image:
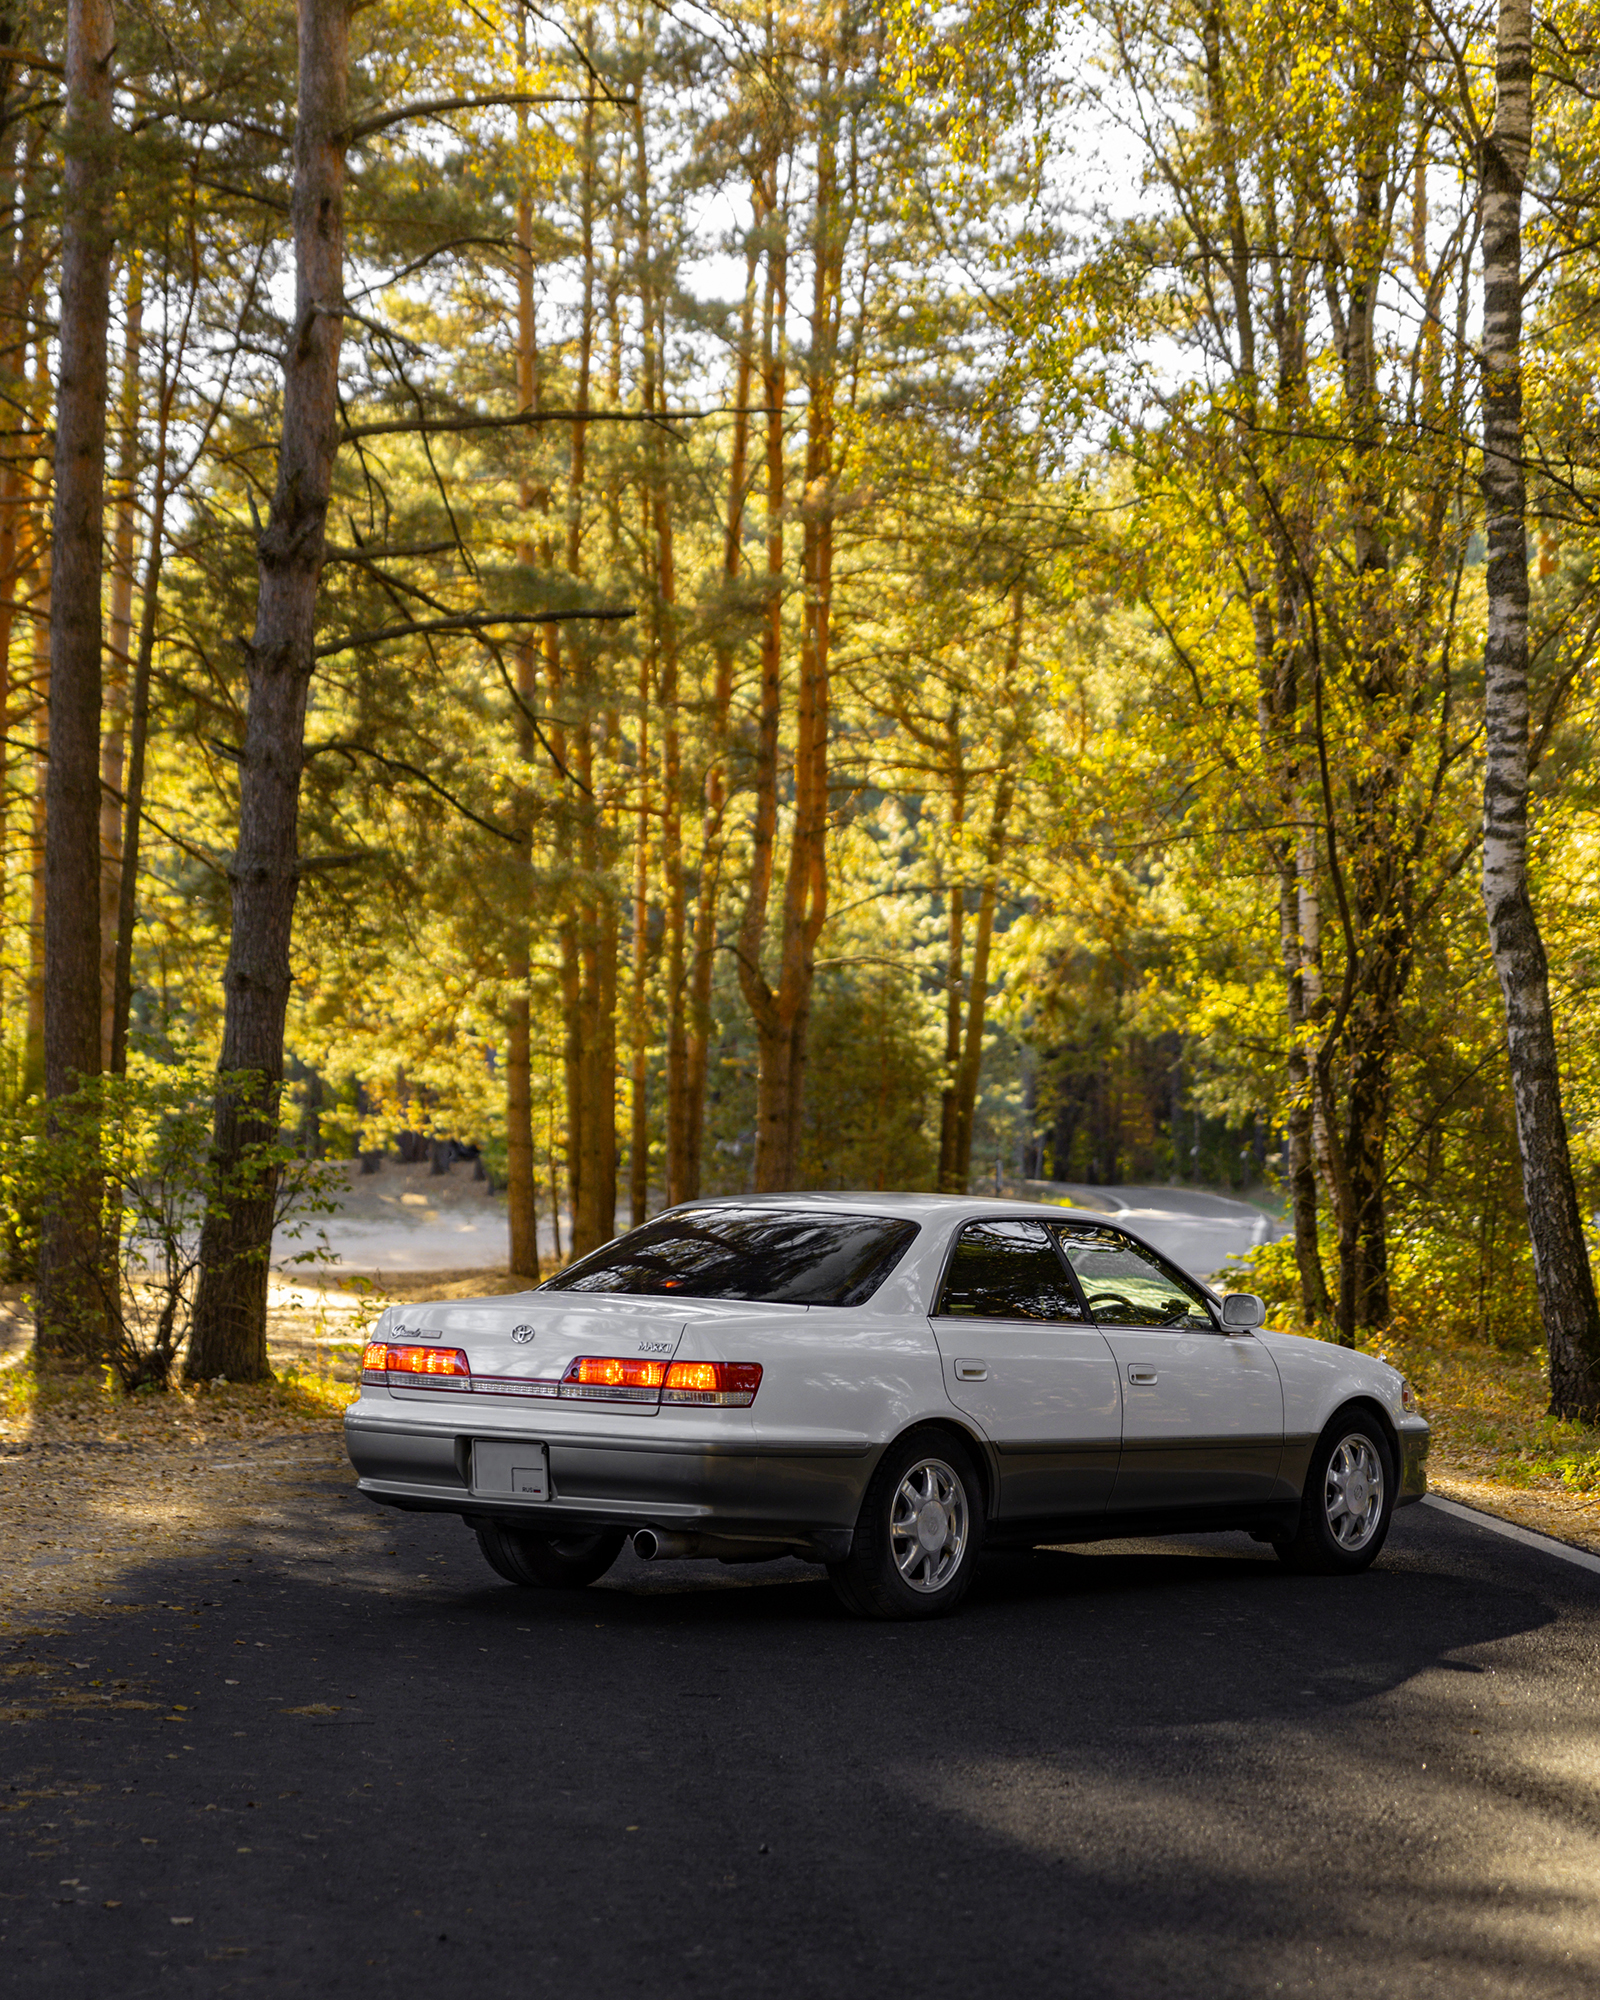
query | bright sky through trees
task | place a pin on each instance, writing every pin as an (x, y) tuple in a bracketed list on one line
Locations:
[(1046, 735)]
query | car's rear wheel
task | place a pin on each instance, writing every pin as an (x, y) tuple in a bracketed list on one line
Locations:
[(918, 1534), (1348, 1500), (547, 1562)]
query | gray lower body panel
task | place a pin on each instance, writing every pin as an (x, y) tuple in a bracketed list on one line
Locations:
[(1164, 1474), (1044, 1478), (766, 1493)]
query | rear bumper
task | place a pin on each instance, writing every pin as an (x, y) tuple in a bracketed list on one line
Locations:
[(804, 1497), (1413, 1463)]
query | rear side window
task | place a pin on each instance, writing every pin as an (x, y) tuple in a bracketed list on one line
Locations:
[(771, 1257), (1007, 1270)]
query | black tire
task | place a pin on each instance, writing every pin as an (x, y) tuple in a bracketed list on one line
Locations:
[(547, 1562), (894, 1568), (1332, 1538)]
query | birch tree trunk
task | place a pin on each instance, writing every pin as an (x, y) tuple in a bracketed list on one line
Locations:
[(954, 886), (1566, 1282), (70, 1306), (230, 1325)]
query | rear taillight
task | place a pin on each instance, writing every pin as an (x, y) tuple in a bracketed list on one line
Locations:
[(731, 1383), (606, 1378), (424, 1367)]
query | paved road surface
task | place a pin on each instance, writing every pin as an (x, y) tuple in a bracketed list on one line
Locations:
[(1164, 1769), (1199, 1231), (403, 1219)]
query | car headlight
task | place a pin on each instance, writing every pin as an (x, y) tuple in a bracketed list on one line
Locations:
[(1408, 1397)]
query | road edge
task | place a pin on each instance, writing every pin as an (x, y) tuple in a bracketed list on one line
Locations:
[(1548, 1544)]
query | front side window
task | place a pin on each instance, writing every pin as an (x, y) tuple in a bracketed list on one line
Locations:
[(1007, 1270), (1127, 1285), (768, 1256)]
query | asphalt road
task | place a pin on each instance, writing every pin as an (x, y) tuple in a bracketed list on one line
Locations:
[(1147, 1769)]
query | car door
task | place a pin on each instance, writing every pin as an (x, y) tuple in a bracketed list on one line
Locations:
[(1202, 1411), (1022, 1358)]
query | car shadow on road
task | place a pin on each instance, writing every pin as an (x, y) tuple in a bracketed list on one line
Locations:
[(1164, 1768)]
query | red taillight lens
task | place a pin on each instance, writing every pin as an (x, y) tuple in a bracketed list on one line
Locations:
[(424, 1364), (616, 1373), (611, 1378), (729, 1383)]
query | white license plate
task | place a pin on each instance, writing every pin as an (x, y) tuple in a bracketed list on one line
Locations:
[(510, 1471)]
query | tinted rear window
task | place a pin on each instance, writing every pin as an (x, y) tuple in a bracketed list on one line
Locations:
[(771, 1256)]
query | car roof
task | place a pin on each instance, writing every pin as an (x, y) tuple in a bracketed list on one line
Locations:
[(919, 1207)]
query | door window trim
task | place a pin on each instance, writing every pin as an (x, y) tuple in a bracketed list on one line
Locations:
[(936, 1311), (1182, 1278)]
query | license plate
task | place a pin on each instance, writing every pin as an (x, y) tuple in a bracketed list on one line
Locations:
[(510, 1471)]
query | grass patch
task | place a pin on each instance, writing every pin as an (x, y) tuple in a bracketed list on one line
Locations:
[(297, 1399)]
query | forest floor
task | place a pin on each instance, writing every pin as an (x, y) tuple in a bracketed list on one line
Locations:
[(1494, 1444), (94, 1484)]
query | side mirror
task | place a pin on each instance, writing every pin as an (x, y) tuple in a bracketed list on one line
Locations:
[(1241, 1311)]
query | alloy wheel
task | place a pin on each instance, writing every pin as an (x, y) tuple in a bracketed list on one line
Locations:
[(928, 1525), (1353, 1492)]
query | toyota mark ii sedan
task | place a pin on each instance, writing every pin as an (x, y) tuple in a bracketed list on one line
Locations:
[(887, 1384)]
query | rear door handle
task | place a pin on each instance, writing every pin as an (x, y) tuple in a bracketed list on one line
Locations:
[(972, 1371), (1142, 1375)]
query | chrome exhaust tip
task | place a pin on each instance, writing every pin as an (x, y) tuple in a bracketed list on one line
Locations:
[(661, 1545)]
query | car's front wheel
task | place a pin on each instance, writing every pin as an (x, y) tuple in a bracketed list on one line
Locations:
[(547, 1562), (1348, 1500), (918, 1534)]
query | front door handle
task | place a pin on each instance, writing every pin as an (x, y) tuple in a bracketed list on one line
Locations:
[(972, 1371), (1144, 1376)]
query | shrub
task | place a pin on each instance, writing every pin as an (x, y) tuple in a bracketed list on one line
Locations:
[(145, 1140)]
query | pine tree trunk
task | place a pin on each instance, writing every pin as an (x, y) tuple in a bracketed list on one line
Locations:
[(39, 692), (230, 1327), (783, 1012), (638, 1017), (522, 1208), (674, 876), (994, 851), (1566, 1283), (113, 748), (716, 783), (14, 454), (70, 1303), (772, 1036), (586, 952), (138, 739)]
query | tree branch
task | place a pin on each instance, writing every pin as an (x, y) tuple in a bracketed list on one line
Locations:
[(448, 426), (467, 622), (434, 107)]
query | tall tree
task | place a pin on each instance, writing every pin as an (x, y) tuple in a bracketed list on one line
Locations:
[(69, 1312), (1566, 1282), (229, 1333)]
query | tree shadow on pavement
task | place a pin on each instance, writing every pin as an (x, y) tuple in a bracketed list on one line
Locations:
[(367, 1767)]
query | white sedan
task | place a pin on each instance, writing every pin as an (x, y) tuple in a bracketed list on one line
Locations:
[(887, 1384)]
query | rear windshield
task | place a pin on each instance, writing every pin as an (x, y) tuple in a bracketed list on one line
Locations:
[(776, 1257)]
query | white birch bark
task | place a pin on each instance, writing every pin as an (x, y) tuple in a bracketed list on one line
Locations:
[(1566, 1284)]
